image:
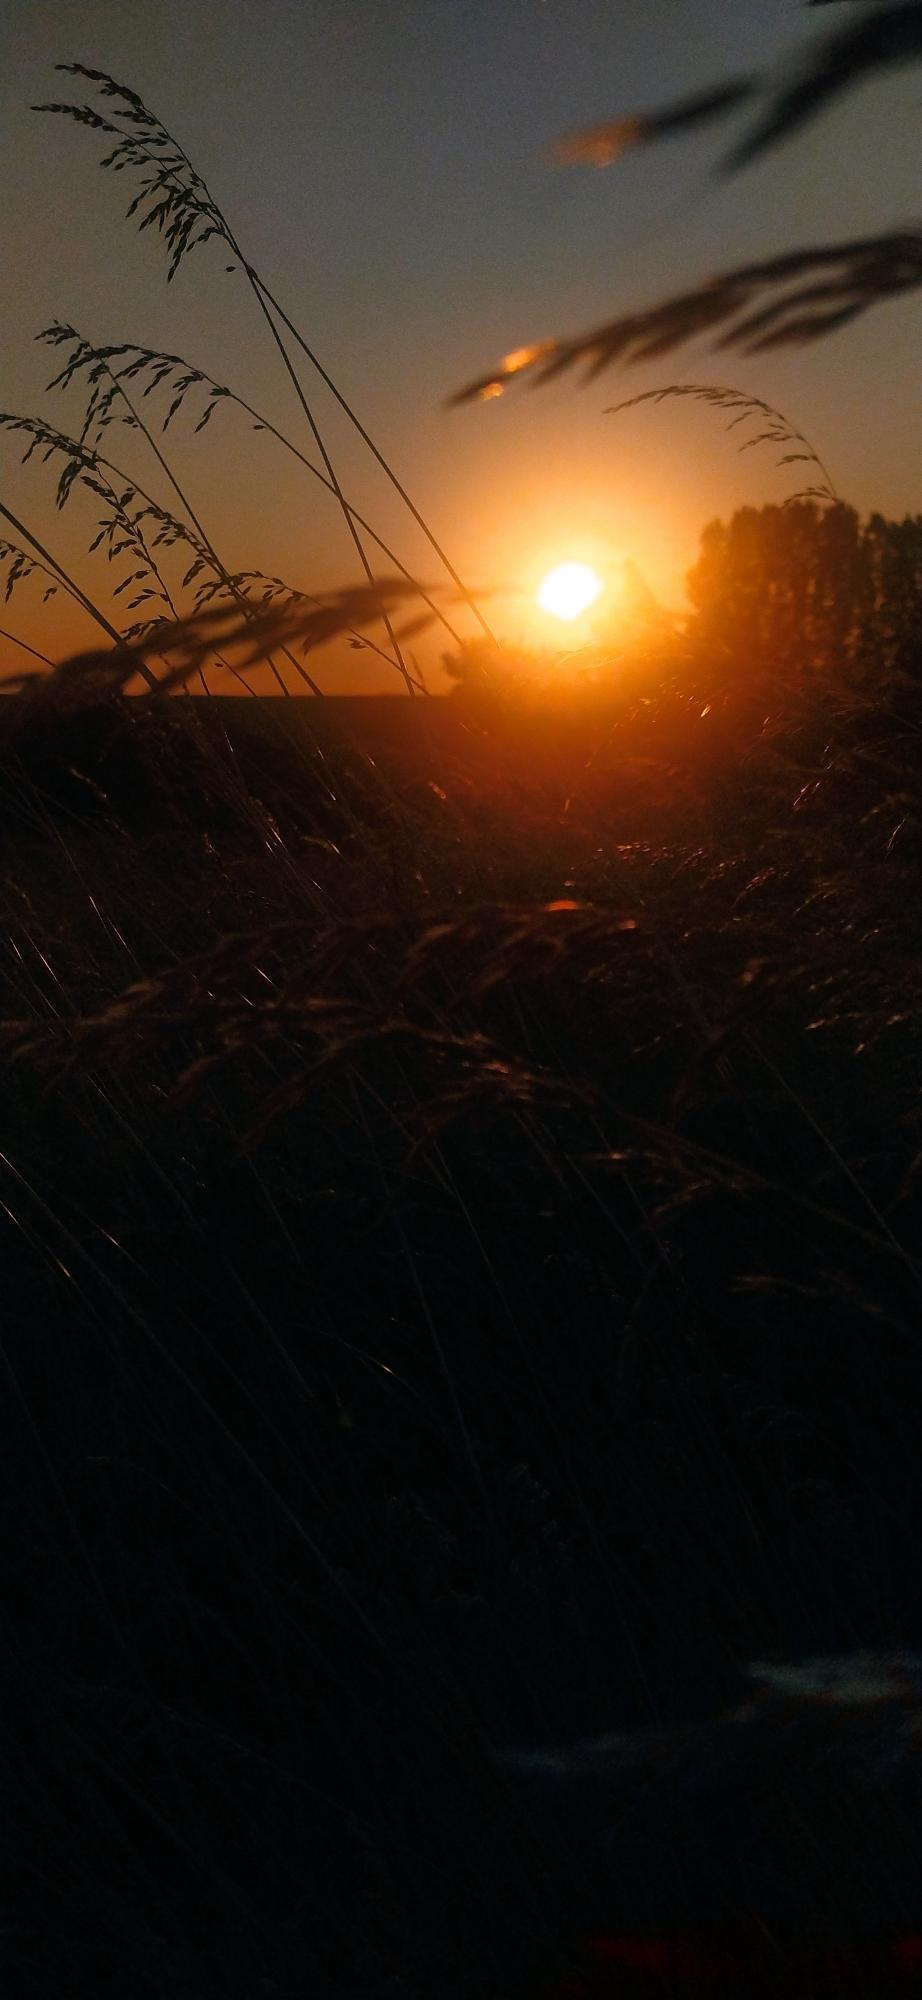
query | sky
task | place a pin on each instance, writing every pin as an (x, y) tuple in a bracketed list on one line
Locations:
[(384, 165)]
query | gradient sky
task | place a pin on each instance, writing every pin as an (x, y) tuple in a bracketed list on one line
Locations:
[(382, 163)]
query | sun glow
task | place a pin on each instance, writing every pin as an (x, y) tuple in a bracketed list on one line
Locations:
[(569, 590)]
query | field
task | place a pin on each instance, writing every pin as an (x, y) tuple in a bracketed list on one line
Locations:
[(460, 1291), (459, 1179)]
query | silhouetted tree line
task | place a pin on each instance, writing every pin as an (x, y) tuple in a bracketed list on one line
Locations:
[(801, 590), (811, 587)]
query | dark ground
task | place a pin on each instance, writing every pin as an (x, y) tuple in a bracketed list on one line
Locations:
[(494, 1395)]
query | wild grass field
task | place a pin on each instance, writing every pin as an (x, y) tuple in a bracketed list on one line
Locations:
[(460, 1222)]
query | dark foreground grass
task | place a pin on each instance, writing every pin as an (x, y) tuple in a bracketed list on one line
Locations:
[(460, 1290)]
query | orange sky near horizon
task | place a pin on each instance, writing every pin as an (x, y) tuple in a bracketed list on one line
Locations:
[(387, 171)]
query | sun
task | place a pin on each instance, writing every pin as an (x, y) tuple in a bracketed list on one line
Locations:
[(569, 589)]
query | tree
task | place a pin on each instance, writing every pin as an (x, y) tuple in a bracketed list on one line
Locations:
[(811, 588)]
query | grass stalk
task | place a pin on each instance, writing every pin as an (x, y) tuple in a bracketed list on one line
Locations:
[(80, 597)]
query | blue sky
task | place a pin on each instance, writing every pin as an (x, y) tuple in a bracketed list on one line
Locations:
[(383, 163)]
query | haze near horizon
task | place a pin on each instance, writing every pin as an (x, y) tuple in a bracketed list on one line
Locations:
[(387, 171)]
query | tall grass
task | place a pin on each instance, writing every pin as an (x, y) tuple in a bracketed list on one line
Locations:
[(475, 1247), (462, 1288), (790, 300)]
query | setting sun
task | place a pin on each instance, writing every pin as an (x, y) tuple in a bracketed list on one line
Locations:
[(569, 589)]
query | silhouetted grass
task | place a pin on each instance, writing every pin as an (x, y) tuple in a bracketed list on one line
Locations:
[(463, 1290), (459, 1201)]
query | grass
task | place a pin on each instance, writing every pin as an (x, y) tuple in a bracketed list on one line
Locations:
[(465, 1293), (459, 1185)]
